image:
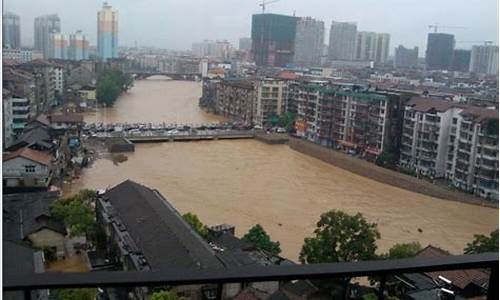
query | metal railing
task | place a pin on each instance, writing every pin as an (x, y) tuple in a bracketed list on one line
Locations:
[(380, 268)]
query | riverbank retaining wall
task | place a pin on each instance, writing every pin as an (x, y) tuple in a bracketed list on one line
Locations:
[(372, 171)]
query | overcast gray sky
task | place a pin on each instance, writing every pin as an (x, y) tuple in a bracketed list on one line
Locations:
[(175, 24)]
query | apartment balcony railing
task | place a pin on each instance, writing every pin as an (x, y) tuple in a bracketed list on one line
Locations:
[(380, 268)]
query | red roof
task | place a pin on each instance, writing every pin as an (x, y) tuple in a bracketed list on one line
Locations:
[(67, 118), (288, 75), (426, 104), (480, 113), (30, 154), (459, 278)]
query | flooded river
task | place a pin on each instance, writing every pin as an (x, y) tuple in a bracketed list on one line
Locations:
[(247, 182)]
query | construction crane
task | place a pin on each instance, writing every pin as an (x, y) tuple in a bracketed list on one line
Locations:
[(436, 26), (486, 43), (264, 3)]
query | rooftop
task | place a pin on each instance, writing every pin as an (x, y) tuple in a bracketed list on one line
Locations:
[(147, 215), (30, 154)]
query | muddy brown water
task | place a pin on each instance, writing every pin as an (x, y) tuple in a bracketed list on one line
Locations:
[(246, 182)]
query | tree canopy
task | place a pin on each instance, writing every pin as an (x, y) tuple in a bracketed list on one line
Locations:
[(258, 237), (287, 120), (340, 237), (80, 294), (483, 243), (110, 84), (196, 224), (164, 295), (404, 250), (76, 213)]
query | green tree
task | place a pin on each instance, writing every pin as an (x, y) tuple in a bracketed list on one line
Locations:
[(404, 250), (110, 84), (483, 243), (340, 237), (287, 120), (196, 224), (76, 294), (258, 237), (164, 295), (77, 213)]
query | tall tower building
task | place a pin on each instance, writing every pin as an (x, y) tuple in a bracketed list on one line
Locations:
[(382, 47), (309, 39), (107, 32), (484, 59), (405, 57), (461, 60), (439, 52), (342, 44), (273, 39), (44, 26), (78, 46), (366, 44), (11, 31), (58, 46)]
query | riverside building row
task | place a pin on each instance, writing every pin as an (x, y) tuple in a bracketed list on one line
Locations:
[(454, 142), (433, 137)]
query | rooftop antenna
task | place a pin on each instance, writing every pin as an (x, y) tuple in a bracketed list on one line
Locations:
[(264, 3)]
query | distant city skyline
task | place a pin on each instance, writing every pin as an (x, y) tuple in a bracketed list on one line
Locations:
[(164, 23)]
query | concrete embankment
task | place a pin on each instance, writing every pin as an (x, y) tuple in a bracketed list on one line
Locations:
[(272, 139), (372, 171)]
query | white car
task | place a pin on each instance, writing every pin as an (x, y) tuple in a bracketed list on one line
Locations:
[(281, 130)]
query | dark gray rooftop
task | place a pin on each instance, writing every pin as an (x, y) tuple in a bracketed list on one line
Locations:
[(25, 213), (159, 231)]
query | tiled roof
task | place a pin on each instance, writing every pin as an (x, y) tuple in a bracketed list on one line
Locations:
[(427, 104), (67, 118), (30, 154), (459, 278), (480, 113), (34, 211), (158, 230)]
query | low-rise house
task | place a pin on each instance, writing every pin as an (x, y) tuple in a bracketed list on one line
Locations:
[(464, 284), (20, 259), (27, 218), (27, 168), (37, 138), (66, 121)]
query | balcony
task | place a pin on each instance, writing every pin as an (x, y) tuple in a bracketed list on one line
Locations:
[(381, 268)]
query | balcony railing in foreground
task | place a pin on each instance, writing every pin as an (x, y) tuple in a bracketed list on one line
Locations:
[(381, 269)]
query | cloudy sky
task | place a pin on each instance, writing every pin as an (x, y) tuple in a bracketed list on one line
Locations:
[(175, 24)]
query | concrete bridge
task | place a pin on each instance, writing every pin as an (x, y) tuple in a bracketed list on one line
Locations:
[(175, 76), (158, 137)]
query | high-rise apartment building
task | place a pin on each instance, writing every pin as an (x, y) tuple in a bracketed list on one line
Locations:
[(107, 32), (245, 44), (11, 31), (405, 57), (382, 47), (58, 46), (366, 44), (78, 46), (309, 38), (461, 60), (342, 43), (273, 39), (484, 59), (212, 49), (439, 52), (44, 26), (457, 142), (269, 102)]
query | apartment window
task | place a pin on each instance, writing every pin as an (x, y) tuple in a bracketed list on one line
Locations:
[(455, 120), (29, 169)]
